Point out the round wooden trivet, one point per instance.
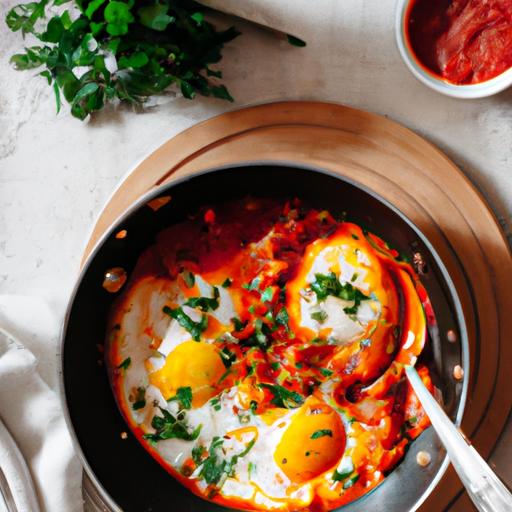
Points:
(413, 175)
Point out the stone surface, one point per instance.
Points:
(57, 172)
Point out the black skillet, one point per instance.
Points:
(126, 475)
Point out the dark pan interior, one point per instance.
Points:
(134, 481)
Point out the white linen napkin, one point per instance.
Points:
(32, 411)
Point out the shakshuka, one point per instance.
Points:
(258, 351)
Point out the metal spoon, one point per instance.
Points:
(485, 489)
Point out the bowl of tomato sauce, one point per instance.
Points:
(461, 48)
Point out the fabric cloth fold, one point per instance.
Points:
(32, 411)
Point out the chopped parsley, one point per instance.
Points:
(283, 397)
(205, 303)
(168, 426)
(238, 324)
(227, 283)
(215, 469)
(215, 403)
(325, 285)
(338, 477)
(283, 319)
(253, 285)
(189, 278)
(228, 357)
(194, 328)
(183, 396)
(319, 316)
(326, 372)
(351, 481)
(140, 399)
(321, 433)
(267, 294)
(125, 364)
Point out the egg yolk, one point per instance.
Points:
(194, 364)
(312, 444)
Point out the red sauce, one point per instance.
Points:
(462, 41)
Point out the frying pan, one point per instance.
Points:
(125, 474)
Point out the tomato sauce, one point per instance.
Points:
(462, 41)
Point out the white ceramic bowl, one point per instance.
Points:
(480, 90)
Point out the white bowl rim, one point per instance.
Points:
(471, 91)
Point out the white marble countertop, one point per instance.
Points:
(56, 172)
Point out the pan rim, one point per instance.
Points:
(167, 186)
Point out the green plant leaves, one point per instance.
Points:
(118, 16)
(120, 50)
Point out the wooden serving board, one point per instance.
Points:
(410, 173)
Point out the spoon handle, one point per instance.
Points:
(485, 489)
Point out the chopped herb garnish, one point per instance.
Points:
(355, 237)
(319, 316)
(321, 433)
(284, 397)
(275, 365)
(253, 285)
(325, 285)
(227, 283)
(251, 468)
(338, 477)
(140, 399)
(350, 482)
(183, 396)
(168, 426)
(299, 365)
(125, 364)
(252, 309)
(254, 406)
(194, 328)
(197, 454)
(215, 403)
(267, 294)
(326, 372)
(238, 324)
(224, 375)
(282, 318)
(228, 357)
(214, 469)
(205, 303)
(355, 275)
(189, 279)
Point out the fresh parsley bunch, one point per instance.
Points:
(95, 51)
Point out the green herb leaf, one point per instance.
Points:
(283, 397)
(228, 357)
(194, 328)
(350, 482)
(118, 17)
(189, 278)
(140, 399)
(338, 477)
(125, 364)
(183, 396)
(227, 283)
(326, 372)
(267, 294)
(155, 17)
(325, 285)
(204, 303)
(169, 427)
(321, 433)
(319, 316)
